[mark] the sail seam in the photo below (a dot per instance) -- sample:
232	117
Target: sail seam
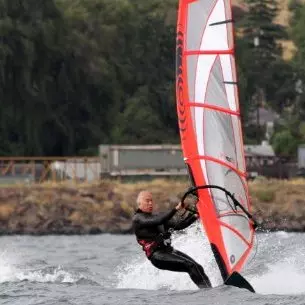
235	213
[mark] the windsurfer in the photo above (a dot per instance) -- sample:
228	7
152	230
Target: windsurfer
153	233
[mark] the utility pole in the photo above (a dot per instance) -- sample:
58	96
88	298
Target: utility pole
256	43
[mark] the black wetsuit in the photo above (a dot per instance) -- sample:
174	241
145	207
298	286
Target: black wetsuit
152	232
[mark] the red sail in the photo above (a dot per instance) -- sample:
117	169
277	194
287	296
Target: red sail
210	127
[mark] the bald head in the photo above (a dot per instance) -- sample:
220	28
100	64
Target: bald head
145	201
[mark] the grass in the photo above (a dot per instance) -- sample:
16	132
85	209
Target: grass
264	189
101	202
264	195
282	194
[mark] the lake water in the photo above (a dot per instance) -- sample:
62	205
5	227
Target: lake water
112	269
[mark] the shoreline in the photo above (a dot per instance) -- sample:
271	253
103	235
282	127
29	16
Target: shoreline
107	206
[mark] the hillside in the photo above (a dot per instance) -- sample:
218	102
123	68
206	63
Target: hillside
283	18
108	206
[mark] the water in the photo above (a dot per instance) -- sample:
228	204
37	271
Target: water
111	269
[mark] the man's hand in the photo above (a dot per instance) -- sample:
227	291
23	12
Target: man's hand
179	206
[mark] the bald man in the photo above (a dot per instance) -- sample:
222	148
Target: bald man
153	233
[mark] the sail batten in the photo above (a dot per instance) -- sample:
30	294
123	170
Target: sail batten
221	22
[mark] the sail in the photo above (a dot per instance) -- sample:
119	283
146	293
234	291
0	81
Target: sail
210	126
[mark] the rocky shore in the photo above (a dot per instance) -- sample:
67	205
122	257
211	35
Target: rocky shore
108	206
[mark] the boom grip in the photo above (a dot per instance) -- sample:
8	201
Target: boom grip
236	202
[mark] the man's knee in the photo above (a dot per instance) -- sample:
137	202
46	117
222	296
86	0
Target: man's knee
192	265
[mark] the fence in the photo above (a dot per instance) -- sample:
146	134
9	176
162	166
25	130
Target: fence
40	169
117	162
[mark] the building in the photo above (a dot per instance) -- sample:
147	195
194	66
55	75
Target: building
260	155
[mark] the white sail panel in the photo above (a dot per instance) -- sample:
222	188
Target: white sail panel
211	80
235	247
203	33
198	13
215	37
228	70
240	222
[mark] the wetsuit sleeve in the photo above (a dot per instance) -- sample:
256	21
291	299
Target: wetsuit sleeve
184	223
155	220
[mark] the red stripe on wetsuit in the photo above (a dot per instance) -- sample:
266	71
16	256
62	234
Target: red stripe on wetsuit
148	246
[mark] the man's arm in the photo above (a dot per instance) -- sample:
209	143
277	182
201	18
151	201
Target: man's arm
154	220
182	224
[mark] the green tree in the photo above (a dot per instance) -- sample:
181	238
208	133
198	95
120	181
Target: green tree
285	144
145	69
27	44
77	73
296	32
263	55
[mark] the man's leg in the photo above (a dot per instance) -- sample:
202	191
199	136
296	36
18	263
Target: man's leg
180	262
204	278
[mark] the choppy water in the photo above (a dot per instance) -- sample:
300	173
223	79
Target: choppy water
110	269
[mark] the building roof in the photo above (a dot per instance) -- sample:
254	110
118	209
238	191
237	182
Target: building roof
264	150
265	116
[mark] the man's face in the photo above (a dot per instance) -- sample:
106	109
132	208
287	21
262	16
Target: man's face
146	202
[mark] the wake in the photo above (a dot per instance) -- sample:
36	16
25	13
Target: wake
269	272
11	272
141	274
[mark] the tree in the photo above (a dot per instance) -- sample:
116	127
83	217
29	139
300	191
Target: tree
285	144
263	50
266	80
73	72
28	40
145	68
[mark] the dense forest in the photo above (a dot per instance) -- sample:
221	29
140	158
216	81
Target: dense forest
75	74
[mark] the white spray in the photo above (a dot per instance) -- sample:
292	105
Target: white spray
141	274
